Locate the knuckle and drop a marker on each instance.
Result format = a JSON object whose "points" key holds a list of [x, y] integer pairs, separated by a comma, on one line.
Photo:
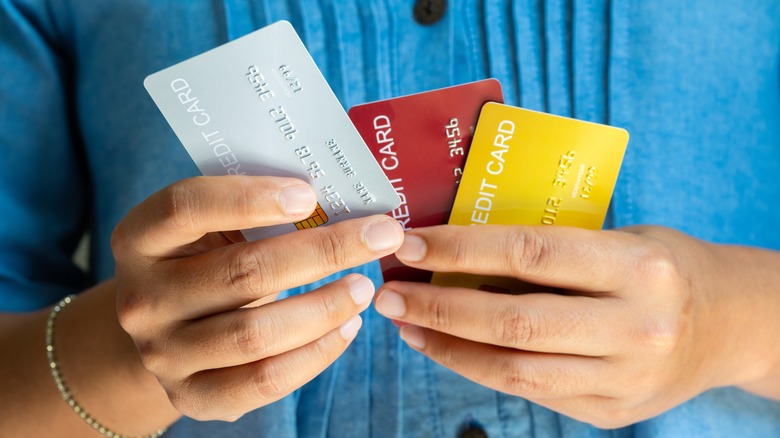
{"points": [[244, 202], [179, 205], [518, 327], [461, 252], [132, 311], [201, 402], [182, 400], [120, 242], [445, 355], [268, 382], [252, 337], [527, 252], [152, 357], [325, 350], [664, 332], [332, 306], [659, 263], [249, 270], [520, 379], [333, 251], [662, 335], [438, 313]]}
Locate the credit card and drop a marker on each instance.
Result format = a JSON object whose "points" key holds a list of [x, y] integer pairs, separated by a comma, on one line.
{"points": [[421, 142], [532, 168], [259, 105]]}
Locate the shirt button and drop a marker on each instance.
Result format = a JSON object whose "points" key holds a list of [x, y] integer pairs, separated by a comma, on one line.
{"points": [[473, 433], [429, 11], [471, 429]]}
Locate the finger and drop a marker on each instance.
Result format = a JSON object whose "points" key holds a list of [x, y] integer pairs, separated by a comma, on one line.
{"points": [[239, 274], [538, 322], [210, 242], [247, 335], [554, 256], [599, 411], [606, 412], [530, 375], [228, 392], [183, 212], [206, 243]]}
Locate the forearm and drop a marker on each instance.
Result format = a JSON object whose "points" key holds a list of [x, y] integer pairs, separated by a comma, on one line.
{"points": [[98, 362]]}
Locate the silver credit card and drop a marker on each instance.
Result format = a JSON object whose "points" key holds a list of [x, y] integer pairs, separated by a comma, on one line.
{"points": [[260, 106]]}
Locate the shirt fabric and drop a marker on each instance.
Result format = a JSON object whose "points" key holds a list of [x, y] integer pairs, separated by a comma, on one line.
{"points": [[696, 84]]}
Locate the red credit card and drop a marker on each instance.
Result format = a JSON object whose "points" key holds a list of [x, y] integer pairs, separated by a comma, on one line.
{"points": [[421, 142]]}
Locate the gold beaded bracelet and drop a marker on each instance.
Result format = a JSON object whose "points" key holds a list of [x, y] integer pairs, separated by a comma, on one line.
{"points": [[57, 375]]}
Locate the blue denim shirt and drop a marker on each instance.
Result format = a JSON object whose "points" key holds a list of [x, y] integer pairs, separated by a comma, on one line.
{"points": [[696, 84]]}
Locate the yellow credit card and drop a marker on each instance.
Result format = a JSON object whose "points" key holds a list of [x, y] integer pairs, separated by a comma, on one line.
{"points": [[532, 168]]}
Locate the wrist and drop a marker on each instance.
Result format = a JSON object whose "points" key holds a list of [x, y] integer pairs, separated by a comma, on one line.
{"points": [[102, 368], [748, 298]]}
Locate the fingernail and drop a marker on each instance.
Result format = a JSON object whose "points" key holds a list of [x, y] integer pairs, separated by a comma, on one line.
{"points": [[361, 289], [383, 234], [413, 249], [413, 335], [351, 327], [390, 303], [297, 199]]}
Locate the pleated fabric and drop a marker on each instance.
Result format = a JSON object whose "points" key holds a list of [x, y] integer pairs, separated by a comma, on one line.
{"points": [[693, 82], [566, 57]]}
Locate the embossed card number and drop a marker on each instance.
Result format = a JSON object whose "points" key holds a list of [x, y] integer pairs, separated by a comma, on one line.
{"points": [[259, 105]]}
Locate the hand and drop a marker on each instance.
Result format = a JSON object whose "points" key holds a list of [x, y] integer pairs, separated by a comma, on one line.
{"points": [[188, 294], [642, 319]]}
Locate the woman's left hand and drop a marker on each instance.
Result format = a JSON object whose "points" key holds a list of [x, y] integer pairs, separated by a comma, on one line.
{"points": [[640, 320]]}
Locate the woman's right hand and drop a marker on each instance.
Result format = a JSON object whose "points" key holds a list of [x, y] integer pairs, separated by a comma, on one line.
{"points": [[197, 300]]}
